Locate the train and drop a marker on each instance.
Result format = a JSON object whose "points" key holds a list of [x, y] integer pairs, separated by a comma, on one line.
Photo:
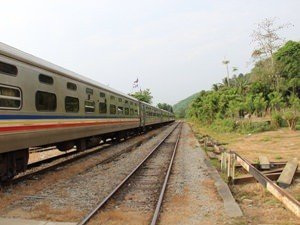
{"points": [[42, 104]]}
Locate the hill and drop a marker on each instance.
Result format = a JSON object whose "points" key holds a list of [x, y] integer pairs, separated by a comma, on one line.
{"points": [[180, 107]]}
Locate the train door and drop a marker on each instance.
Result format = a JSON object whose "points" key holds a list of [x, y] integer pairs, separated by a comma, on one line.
{"points": [[142, 114]]}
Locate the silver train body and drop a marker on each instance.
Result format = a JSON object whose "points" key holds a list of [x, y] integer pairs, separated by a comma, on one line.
{"points": [[42, 104]]}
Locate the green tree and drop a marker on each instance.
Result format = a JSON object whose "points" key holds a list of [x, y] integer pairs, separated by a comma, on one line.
{"points": [[291, 114], [143, 95], [288, 60], [276, 101], [260, 104], [235, 108], [165, 106]]}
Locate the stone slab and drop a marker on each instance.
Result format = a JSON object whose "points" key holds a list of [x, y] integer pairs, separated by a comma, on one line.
{"points": [[264, 163], [15, 221], [288, 173], [232, 209]]}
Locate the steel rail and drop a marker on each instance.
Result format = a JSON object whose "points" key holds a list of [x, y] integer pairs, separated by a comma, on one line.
{"points": [[87, 218], [163, 190]]}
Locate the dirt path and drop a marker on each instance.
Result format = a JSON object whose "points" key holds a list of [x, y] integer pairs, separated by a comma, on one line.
{"points": [[191, 196]]}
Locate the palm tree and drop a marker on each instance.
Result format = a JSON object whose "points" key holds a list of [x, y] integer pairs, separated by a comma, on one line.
{"points": [[226, 62]]}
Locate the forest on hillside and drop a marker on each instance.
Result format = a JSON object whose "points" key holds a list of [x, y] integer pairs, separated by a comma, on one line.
{"points": [[264, 99]]}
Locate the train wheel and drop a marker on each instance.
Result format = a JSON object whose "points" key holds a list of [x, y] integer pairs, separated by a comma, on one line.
{"points": [[12, 163], [81, 145]]}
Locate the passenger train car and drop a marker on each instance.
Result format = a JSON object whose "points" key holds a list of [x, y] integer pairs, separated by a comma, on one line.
{"points": [[42, 104]]}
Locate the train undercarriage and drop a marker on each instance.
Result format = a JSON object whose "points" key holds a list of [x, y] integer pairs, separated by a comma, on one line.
{"points": [[12, 163]]}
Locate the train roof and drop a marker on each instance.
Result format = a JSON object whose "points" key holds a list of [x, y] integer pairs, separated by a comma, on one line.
{"points": [[145, 103], [24, 57]]}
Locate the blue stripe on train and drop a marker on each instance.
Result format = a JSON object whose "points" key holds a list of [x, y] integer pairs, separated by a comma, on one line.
{"points": [[36, 117]]}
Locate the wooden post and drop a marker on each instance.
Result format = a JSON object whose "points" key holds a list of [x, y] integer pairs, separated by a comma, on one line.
{"points": [[226, 162], [229, 164], [223, 162], [233, 166]]}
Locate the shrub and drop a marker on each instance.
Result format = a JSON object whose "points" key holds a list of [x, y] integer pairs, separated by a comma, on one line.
{"points": [[291, 117], [253, 127], [276, 120], [224, 125]]}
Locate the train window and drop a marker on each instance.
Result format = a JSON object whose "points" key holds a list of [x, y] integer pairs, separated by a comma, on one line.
{"points": [[135, 112], [112, 109], [89, 106], [102, 107], [71, 104], [102, 95], [120, 100], [10, 98], [131, 112], [120, 110], [71, 86], [89, 91], [46, 79], [126, 111], [8, 69], [112, 98], [131, 103], [45, 101], [126, 102]]}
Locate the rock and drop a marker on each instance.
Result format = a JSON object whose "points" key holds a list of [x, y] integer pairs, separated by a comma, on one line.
{"points": [[247, 201]]}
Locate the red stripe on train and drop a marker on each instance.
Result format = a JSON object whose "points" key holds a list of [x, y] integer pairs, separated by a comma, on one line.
{"points": [[52, 126]]}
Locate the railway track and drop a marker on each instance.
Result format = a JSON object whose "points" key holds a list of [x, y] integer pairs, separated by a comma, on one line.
{"points": [[149, 168], [53, 163]]}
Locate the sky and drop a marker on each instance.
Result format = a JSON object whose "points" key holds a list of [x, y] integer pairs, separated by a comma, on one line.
{"points": [[174, 47]]}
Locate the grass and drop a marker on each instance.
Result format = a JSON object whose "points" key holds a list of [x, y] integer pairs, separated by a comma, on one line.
{"points": [[266, 139], [226, 137], [215, 163]]}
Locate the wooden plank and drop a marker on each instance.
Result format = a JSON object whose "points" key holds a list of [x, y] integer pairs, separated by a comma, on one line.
{"points": [[248, 178], [209, 144], [289, 201], [201, 141], [271, 174], [264, 162], [288, 173], [211, 155], [217, 149], [273, 164], [276, 170]]}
